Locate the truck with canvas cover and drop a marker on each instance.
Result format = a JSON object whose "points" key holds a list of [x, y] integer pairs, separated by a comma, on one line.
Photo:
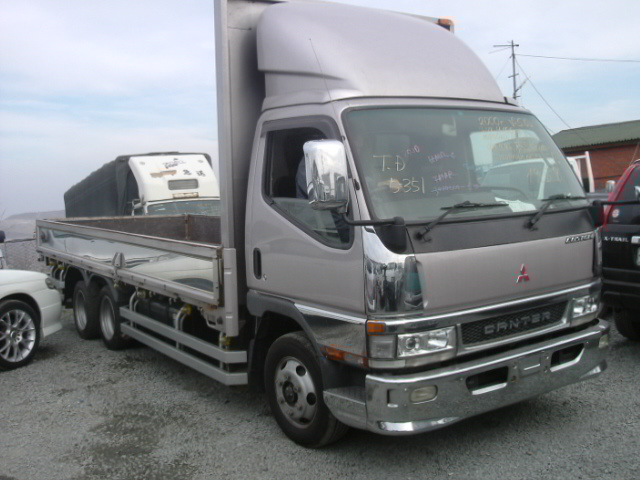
{"points": [[399, 247], [168, 183]]}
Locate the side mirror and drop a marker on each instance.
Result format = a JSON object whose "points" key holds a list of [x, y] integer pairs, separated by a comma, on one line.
{"points": [[597, 213], [2, 236], [610, 186], [327, 173], [637, 190]]}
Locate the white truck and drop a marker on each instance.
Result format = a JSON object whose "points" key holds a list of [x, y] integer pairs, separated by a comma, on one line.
{"points": [[360, 271], [164, 183]]}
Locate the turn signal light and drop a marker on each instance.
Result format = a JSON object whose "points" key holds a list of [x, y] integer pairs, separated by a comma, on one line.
{"points": [[376, 328], [338, 355]]}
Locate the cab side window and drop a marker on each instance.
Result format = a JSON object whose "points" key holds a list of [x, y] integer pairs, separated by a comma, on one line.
{"points": [[286, 186]]}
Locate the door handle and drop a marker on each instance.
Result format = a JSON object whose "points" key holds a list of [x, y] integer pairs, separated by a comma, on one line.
{"points": [[257, 263]]}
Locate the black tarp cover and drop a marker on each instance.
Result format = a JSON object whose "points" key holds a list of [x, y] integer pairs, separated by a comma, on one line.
{"points": [[107, 192]]}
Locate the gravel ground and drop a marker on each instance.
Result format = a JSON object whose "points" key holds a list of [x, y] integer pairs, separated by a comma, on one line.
{"points": [[80, 411]]}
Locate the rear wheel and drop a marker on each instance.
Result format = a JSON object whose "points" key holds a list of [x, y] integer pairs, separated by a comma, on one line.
{"points": [[109, 315], [293, 382], [19, 334], [86, 310], [628, 323]]}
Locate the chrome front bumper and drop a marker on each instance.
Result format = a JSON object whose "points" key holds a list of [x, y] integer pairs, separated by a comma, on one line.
{"points": [[384, 405]]}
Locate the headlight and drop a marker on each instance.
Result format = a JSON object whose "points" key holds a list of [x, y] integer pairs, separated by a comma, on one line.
{"points": [[585, 306], [423, 343], [49, 283]]}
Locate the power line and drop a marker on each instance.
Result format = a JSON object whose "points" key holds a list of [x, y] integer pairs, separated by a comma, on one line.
{"points": [[502, 69], [542, 97], [515, 62], [549, 105], [582, 59]]}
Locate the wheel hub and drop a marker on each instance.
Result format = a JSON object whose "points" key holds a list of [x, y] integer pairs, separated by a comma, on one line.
{"points": [[17, 335], [295, 392], [290, 395]]}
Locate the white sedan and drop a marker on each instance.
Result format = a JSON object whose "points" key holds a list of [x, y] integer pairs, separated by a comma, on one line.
{"points": [[30, 310]]}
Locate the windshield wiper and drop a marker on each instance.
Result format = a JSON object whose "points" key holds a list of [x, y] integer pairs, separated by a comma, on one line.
{"points": [[458, 206], [549, 201]]}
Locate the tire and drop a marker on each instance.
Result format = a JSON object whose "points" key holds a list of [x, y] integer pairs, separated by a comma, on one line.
{"points": [[628, 323], [19, 334], [86, 310], [293, 383], [109, 320]]}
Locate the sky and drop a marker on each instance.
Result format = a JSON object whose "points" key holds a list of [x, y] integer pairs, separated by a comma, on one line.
{"points": [[82, 82]]}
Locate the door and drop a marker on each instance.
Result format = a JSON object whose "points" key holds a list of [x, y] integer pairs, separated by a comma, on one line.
{"points": [[309, 256]]}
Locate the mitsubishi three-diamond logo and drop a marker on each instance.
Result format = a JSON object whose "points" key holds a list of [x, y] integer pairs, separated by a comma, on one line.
{"points": [[522, 275]]}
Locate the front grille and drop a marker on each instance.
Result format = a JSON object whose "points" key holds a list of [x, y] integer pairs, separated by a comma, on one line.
{"points": [[512, 324], [190, 183]]}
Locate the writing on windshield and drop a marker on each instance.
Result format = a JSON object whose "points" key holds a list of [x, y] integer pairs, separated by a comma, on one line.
{"points": [[414, 161]]}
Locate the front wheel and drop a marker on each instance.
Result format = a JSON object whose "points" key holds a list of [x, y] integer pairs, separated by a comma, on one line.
{"points": [[293, 382], [628, 323], [19, 334], [109, 314]]}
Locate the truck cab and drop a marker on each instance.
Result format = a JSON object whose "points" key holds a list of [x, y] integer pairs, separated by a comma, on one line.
{"points": [[409, 262], [175, 184]]}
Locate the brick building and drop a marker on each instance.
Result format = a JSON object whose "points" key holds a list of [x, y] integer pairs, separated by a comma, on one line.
{"points": [[612, 147]]}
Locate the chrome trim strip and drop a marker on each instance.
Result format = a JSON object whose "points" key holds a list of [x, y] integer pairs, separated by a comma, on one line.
{"points": [[496, 306], [92, 265], [163, 287], [169, 288], [185, 247], [391, 285], [304, 309]]}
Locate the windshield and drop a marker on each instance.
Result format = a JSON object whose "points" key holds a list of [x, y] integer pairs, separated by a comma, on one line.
{"points": [[415, 161], [193, 207]]}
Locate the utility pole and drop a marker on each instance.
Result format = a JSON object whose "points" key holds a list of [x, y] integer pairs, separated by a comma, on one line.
{"points": [[513, 66]]}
